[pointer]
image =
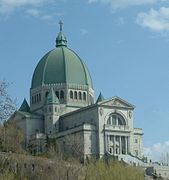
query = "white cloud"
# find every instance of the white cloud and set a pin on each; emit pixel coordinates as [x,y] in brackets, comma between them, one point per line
[116,4]
[15,3]
[155,20]
[158,151]
[33,8]
[9,6]
[33,12]
[41,15]
[47,17]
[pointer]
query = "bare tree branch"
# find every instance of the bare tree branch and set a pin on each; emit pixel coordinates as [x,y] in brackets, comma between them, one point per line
[7,104]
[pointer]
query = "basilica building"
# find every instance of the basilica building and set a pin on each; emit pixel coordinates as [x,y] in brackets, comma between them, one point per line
[63,107]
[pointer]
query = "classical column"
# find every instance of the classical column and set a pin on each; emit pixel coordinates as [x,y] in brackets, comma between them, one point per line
[114,145]
[126,145]
[107,143]
[120,145]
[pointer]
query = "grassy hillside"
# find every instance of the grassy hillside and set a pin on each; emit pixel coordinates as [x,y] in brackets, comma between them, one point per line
[26,167]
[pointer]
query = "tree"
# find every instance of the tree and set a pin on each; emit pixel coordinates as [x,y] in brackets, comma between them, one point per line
[11,138]
[73,146]
[7,104]
[52,148]
[99,170]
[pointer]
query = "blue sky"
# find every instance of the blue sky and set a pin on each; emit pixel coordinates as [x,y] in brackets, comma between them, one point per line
[125,44]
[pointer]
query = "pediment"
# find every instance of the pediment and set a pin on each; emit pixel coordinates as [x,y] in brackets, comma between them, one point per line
[117,102]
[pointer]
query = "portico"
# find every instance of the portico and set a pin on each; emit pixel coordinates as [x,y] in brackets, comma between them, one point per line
[117,144]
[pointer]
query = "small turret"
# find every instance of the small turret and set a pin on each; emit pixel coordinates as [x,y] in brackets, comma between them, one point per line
[52,98]
[51,113]
[100,98]
[24,107]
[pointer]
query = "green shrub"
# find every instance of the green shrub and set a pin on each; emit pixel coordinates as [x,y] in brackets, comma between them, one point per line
[99,170]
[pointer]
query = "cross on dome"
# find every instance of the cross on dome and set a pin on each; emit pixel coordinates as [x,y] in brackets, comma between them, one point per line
[61,25]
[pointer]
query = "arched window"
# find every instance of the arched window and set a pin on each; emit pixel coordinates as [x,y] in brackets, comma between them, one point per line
[57,94]
[75,94]
[109,121]
[46,93]
[120,121]
[113,120]
[50,109]
[71,94]
[84,96]
[80,95]
[62,94]
[32,100]
[35,99]
[39,97]
[116,120]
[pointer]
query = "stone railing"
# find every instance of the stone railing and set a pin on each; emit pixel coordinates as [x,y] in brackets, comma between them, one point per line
[116,128]
[138,131]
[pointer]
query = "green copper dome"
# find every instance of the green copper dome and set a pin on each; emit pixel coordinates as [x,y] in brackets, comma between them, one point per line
[61,65]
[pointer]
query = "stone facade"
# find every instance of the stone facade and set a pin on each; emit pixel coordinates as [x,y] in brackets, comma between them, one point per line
[105,127]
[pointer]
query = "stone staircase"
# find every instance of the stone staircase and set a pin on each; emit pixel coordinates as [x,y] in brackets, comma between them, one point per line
[150,168]
[133,160]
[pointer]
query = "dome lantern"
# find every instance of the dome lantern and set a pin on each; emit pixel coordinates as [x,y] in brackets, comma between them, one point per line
[61,39]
